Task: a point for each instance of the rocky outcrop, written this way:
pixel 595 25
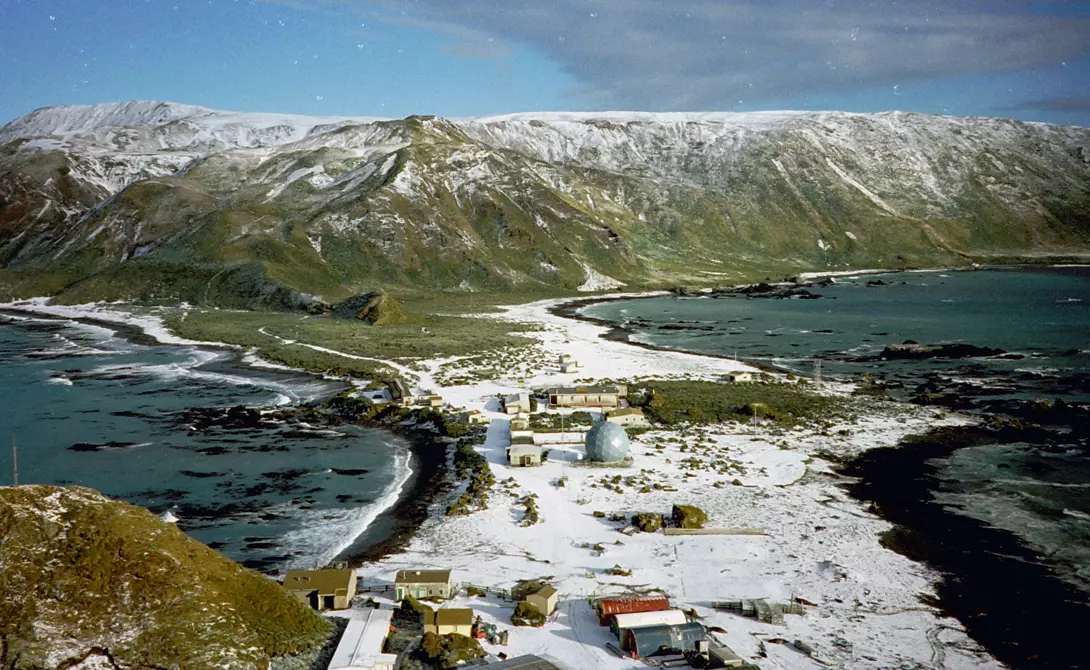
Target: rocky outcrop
pixel 89 579
pixel 912 350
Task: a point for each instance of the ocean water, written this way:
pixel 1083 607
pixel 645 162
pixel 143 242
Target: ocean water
pixel 1037 493
pixel 151 425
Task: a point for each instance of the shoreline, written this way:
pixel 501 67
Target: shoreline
pixel 1007 621
pixel 393 525
pixel 1010 620
pixel 448 541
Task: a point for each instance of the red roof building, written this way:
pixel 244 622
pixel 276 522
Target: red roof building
pixel 607 607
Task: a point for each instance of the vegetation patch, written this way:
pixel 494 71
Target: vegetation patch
pixel 676 402
pixel 102 574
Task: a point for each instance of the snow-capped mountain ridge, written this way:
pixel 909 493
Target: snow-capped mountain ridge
pixel 338 205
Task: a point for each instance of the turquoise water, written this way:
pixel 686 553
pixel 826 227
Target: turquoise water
pixel 1040 493
pixel 147 424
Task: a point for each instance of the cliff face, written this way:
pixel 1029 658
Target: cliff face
pixel 171 202
pixel 92 581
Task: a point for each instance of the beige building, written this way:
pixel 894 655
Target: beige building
pixel 544 599
pixel 322 589
pixel 524 455
pixel 430 401
pixel 628 417
pixel 585 396
pixel 447 621
pixel 423 584
pixel 735 377
pixel 476 416
pixel 520 422
pixel 516 403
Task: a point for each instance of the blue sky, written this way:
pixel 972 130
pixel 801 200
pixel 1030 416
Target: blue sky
pixel 1026 60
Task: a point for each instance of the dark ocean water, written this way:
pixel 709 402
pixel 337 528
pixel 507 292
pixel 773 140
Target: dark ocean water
pixel 1003 516
pixel 147 424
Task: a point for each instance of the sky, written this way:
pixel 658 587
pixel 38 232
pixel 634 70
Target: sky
pixel 456 58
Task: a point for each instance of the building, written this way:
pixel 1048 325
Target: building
pixel 430 400
pixel 740 376
pixel 647 640
pixel 607 607
pixel 360 647
pixel 524 455
pixel 585 396
pixel 520 422
pixel 446 621
pixel 423 584
pixel 476 416
pixel 544 599
pixel 622 622
pixel 630 417
pixel 322 589
pixel 606 442
pixel 400 392
pixel 516 403
pixel 568 366
pixel 527 662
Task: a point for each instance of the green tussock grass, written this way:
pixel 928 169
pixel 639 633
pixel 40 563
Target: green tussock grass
pixel 101 573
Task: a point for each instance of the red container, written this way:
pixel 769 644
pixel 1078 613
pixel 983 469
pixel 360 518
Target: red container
pixel 607 607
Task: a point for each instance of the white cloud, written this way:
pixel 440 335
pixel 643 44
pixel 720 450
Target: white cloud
pixel 711 54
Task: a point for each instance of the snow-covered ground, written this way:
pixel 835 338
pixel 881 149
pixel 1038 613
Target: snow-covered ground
pixel 820 545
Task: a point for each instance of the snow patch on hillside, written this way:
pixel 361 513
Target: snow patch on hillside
pixel 597 281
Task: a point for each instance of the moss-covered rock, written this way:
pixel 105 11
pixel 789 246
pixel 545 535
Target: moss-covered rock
pixel 448 651
pixel 375 309
pixel 526 614
pixel 105 575
pixel 688 516
pixel 648 522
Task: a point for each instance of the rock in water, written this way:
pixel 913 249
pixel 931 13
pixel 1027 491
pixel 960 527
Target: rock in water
pixel 912 350
pixel 375 309
pixel 92 580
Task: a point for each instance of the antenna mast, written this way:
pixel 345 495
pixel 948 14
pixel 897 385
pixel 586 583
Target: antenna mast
pixel 14 462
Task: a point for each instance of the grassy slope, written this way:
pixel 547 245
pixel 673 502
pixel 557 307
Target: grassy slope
pixel 78 570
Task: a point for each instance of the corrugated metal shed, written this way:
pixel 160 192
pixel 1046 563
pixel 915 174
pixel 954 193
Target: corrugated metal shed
pixel 648 640
pixel 607 607
pixel 622 622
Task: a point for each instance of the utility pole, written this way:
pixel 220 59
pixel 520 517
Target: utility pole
pixel 14 462
pixel 817 370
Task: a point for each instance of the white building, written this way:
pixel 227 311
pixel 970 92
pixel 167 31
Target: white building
pixel 628 417
pixel 360 647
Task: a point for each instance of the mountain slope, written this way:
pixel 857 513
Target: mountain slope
pixel 166 202
pixel 85 579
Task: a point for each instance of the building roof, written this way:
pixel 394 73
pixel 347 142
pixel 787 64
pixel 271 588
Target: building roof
pixel 582 390
pixel 422 577
pixel 361 644
pixel 524 450
pixel 450 616
pixel 547 591
pixel 626 411
pixel 325 582
pixel 527 662
pixel 660 618
pixel 628 604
